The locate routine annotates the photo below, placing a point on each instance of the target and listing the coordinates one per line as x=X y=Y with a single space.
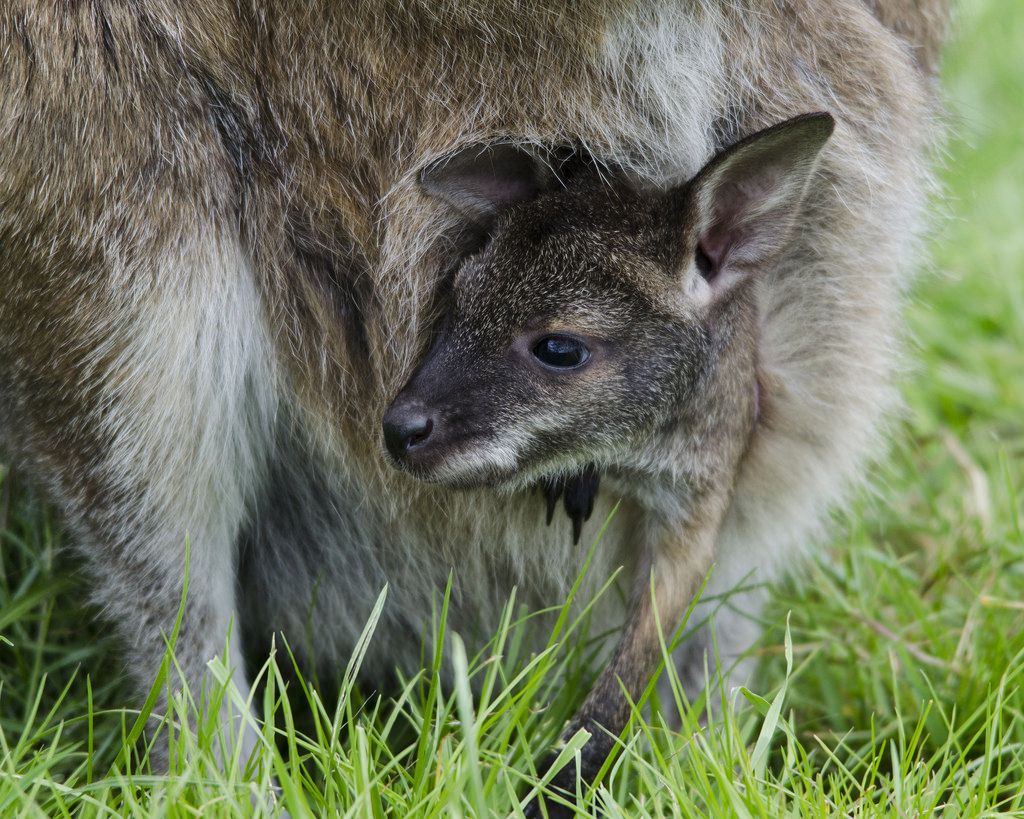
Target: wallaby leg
x=140 y=580
x=148 y=433
x=679 y=559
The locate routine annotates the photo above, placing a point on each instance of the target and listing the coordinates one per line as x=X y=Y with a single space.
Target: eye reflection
x=561 y=352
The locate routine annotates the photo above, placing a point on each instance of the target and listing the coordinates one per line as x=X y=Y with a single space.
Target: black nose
x=406 y=428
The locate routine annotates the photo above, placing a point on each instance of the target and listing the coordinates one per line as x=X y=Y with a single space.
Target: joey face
x=595 y=314
x=567 y=340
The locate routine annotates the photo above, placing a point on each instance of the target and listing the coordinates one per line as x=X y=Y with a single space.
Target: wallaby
x=603 y=331
x=227 y=235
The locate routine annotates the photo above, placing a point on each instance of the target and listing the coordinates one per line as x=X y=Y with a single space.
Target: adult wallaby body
x=218 y=268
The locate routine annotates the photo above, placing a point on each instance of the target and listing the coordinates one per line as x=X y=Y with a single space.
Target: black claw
x=577 y=493
x=552 y=489
x=580 y=492
x=564 y=782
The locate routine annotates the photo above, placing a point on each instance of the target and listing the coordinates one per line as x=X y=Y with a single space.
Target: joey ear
x=482 y=181
x=744 y=203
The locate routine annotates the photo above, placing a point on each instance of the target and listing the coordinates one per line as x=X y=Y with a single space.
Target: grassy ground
x=895 y=691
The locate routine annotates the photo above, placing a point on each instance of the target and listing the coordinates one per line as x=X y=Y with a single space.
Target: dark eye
x=563 y=352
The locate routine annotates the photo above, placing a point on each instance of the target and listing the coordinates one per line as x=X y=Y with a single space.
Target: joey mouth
x=473 y=462
x=461 y=465
x=435 y=445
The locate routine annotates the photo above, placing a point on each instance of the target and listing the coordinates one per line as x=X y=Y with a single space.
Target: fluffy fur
x=217 y=269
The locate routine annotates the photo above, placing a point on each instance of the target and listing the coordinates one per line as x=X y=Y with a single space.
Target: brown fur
x=217 y=269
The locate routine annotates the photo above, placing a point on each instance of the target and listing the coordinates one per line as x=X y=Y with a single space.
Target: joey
x=609 y=330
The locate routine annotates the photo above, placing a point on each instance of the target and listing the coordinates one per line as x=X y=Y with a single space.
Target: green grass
x=896 y=689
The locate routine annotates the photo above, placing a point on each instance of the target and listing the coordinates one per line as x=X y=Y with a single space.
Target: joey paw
x=577 y=493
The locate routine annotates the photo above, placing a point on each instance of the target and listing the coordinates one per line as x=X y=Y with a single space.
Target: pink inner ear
x=728 y=230
x=502 y=190
x=715 y=244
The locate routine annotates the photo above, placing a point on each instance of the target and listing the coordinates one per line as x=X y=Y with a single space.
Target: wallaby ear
x=745 y=202
x=482 y=181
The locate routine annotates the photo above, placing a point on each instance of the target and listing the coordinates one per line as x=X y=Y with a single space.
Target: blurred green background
x=969 y=315
x=918 y=610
